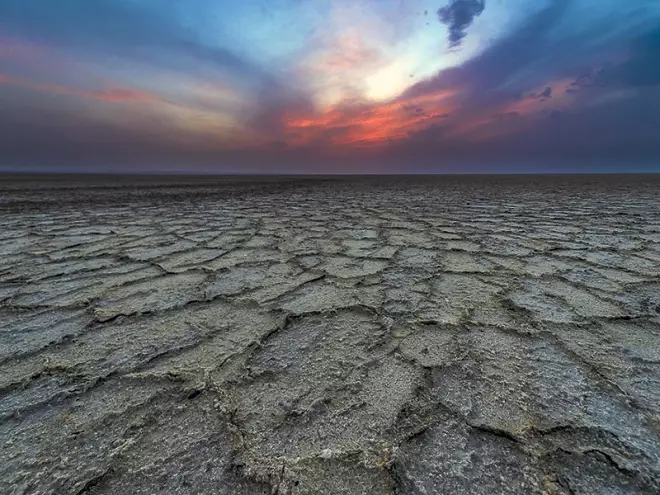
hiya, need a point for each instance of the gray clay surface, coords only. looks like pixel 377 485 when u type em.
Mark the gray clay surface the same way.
pixel 448 335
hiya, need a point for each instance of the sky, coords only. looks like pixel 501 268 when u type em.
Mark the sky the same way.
pixel 330 86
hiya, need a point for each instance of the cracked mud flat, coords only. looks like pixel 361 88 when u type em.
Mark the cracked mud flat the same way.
pixel 350 336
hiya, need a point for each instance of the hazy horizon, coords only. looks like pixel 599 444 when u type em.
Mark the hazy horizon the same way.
pixel 211 171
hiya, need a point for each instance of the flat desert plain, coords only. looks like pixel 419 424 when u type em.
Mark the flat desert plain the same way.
pixel 347 335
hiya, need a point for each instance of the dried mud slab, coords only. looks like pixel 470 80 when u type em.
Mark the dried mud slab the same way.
pixel 346 336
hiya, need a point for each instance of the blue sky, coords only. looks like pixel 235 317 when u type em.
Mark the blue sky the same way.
pixel 329 85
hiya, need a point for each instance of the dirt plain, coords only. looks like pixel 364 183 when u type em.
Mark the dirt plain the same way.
pixel 394 335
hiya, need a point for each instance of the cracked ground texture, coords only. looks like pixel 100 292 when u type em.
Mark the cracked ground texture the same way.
pixel 474 335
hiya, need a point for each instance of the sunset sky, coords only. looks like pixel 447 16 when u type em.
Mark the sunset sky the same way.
pixel 323 86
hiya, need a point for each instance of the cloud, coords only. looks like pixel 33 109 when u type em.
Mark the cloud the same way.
pixel 542 95
pixel 516 99
pixel 121 95
pixel 41 130
pixel 505 116
pixel 543 89
pixel 641 69
pixel 500 62
pixel 137 30
pixel 458 16
pixel 145 39
pixel 112 95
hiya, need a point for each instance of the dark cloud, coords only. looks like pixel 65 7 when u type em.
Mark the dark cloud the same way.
pixel 458 16
pixel 614 114
pixel 279 145
pixel 641 69
pixel 587 78
pixel 618 130
pixel 503 60
pixel 484 80
pixel 542 95
pixel 429 135
pixel 137 30
pixel 621 131
pixel 505 116
pixel 65 140
pixel 41 128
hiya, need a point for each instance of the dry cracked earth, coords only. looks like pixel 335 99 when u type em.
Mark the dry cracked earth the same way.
pixel 474 335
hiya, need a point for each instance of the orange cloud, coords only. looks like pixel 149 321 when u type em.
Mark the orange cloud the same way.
pixel 115 95
pixel 122 96
pixel 368 126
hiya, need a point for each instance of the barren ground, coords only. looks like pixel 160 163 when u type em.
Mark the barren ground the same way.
pixel 349 336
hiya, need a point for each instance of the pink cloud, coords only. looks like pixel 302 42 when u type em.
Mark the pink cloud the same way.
pixel 122 95
pixel 111 95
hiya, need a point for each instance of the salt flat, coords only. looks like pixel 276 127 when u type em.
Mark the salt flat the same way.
pixel 404 335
